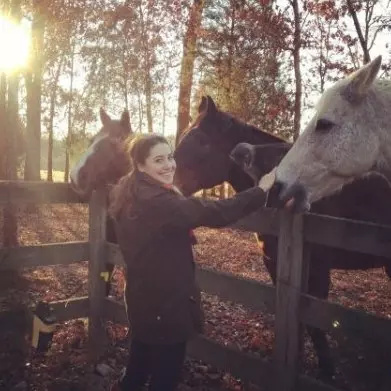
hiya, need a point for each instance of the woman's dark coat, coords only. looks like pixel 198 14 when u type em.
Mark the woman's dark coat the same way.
pixel 162 296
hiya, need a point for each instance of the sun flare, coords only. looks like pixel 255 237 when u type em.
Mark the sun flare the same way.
pixel 14 45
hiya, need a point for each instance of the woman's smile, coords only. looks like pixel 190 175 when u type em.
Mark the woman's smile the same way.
pixel 160 164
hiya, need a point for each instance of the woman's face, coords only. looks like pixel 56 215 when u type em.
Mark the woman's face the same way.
pixel 160 164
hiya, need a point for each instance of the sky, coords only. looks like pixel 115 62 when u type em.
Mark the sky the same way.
pixel 383 40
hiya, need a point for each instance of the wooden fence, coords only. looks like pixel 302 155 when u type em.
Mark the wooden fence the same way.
pixel 292 307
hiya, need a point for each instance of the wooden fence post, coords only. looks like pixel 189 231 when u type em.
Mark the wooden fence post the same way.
pixel 96 284
pixel 289 283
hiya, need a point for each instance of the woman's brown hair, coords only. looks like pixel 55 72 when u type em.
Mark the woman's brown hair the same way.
pixel 122 194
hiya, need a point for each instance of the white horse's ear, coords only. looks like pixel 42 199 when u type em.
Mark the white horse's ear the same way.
pixel 104 117
pixel 125 122
pixel 361 80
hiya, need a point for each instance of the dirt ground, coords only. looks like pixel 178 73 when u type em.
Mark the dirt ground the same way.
pixel 362 365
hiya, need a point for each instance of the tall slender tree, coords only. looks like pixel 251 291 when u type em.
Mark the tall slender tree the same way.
pixel 187 65
pixel 33 81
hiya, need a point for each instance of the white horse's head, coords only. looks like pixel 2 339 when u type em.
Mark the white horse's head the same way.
pixel 343 139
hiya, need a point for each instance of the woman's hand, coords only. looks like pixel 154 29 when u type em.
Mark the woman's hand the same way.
pixel 267 181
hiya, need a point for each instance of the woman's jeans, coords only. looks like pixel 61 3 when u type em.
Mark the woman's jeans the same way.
pixel 161 364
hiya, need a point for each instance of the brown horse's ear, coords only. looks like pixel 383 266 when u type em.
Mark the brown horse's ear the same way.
pixel 125 122
pixel 207 105
pixel 203 105
pixel 104 117
pixel 211 107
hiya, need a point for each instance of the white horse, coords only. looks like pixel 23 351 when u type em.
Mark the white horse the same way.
pixel 348 137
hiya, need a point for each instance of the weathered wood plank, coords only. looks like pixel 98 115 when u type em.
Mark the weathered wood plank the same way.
pixel 70 309
pixel 351 235
pixel 64 309
pixel 18 192
pixel 329 316
pixel 265 220
pixel 43 255
pixel 245 366
pixel 255 295
pixel 289 283
pixel 114 255
pixel 324 230
pixel 96 284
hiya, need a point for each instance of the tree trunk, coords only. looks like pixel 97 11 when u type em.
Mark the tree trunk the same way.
pixel 3 125
pixel 148 99
pixel 164 100
pixel 125 76
pixel 69 135
pixel 51 120
pixel 140 111
pixel 164 109
pixel 10 222
pixel 187 66
pixel 231 46
pixel 296 64
pixel 146 63
pixel 363 42
pixel 33 89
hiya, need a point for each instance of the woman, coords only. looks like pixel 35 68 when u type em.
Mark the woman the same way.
pixel 154 225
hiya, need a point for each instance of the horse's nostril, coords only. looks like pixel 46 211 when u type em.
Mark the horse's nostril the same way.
pixel 295 195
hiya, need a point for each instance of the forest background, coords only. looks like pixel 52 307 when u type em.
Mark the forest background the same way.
pixel 265 61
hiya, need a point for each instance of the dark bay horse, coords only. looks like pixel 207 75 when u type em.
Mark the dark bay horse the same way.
pixel 203 161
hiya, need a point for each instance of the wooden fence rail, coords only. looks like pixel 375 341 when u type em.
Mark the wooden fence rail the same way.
pixel 288 300
pixel 22 192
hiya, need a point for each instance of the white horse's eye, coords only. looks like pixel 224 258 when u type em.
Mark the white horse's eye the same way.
pixel 324 125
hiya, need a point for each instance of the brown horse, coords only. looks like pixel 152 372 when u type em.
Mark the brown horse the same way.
pixel 106 159
pixel 104 162
pixel 203 159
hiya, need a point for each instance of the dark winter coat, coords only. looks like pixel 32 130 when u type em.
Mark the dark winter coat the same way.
pixel 162 296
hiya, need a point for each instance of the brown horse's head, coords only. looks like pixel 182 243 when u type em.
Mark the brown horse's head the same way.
pixel 203 155
pixel 106 159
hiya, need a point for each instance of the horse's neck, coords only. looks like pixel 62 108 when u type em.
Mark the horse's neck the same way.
pixel 253 135
pixel 382 115
pixel 383 163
